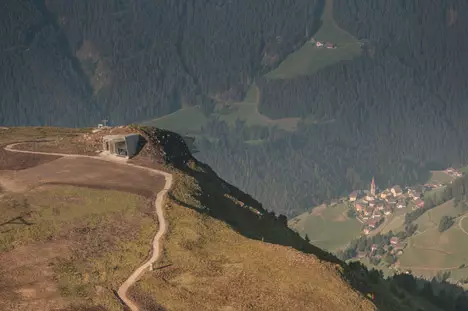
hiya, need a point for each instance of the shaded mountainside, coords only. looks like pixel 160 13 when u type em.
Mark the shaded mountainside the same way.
pixel 394 112
pixel 76 62
pixel 222 249
pixel 209 216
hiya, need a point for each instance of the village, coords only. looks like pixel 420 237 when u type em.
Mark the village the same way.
pixel 371 207
pixel 375 208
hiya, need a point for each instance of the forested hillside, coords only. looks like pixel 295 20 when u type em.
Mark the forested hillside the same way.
pixel 73 62
pixel 392 112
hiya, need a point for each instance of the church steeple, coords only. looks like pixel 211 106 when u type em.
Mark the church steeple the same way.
pixel 372 186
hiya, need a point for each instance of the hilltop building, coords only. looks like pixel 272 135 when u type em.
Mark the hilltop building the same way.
pixel 396 190
pixel 353 196
pixel 127 145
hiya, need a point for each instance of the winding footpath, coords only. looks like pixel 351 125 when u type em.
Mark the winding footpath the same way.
pixel 156 245
pixel 461 226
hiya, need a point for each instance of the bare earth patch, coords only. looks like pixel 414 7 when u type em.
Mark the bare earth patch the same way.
pixel 31 277
pixel 20 161
pixel 86 173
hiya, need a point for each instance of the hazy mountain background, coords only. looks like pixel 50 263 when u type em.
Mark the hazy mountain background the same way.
pixel 288 124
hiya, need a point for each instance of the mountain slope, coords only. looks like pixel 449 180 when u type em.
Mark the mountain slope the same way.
pixel 214 256
pixel 134 61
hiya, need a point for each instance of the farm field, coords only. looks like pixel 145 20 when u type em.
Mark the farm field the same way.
pixel 430 251
pixel 440 177
pixel 306 60
pixel 328 228
pixel 396 221
pixel 309 59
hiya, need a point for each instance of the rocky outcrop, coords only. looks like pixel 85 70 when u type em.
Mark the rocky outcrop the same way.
pixel 166 147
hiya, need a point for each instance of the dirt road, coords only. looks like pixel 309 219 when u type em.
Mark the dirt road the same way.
pixel 156 245
pixel 461 226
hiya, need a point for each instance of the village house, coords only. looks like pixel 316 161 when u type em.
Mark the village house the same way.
pixel 359 206
pixel 366 231
pixel 453 172
pixel 394 240
pixel 397 247
pixel 372 224
pixel 368 211
pixel 353 196
pixel 417 195
pixel 385 194
pixel 396 191
pixel 419 203
pixel 387 211
pixel 380 206
pixel 401 204
pixel 370 198
pixel 374 247
pixel 371 203
pixel 329 45
pixel 376 214
pixel 414 194
pixel 318 44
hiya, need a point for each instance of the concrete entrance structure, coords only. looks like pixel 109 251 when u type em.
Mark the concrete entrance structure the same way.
pixel 123 145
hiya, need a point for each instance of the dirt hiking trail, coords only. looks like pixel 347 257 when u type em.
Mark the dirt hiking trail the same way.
pixel 156 245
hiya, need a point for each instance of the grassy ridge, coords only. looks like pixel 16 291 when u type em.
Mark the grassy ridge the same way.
pixel 213 265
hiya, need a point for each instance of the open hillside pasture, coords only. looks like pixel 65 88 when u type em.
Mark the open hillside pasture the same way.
pixel 440 177
pixel 327 227
pixel 430 251
pixel 309 58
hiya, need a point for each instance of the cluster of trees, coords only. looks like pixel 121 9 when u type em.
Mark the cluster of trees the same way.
pixel 292 172
pixel 364 244
pixel 74 63
pixel 445 223
pixel 392 113
pixel 405 287
pixel 437 291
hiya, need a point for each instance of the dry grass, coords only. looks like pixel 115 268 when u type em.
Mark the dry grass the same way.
pixel 66 145
pixel 82 243
pixel 213 267
pixel 87 173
